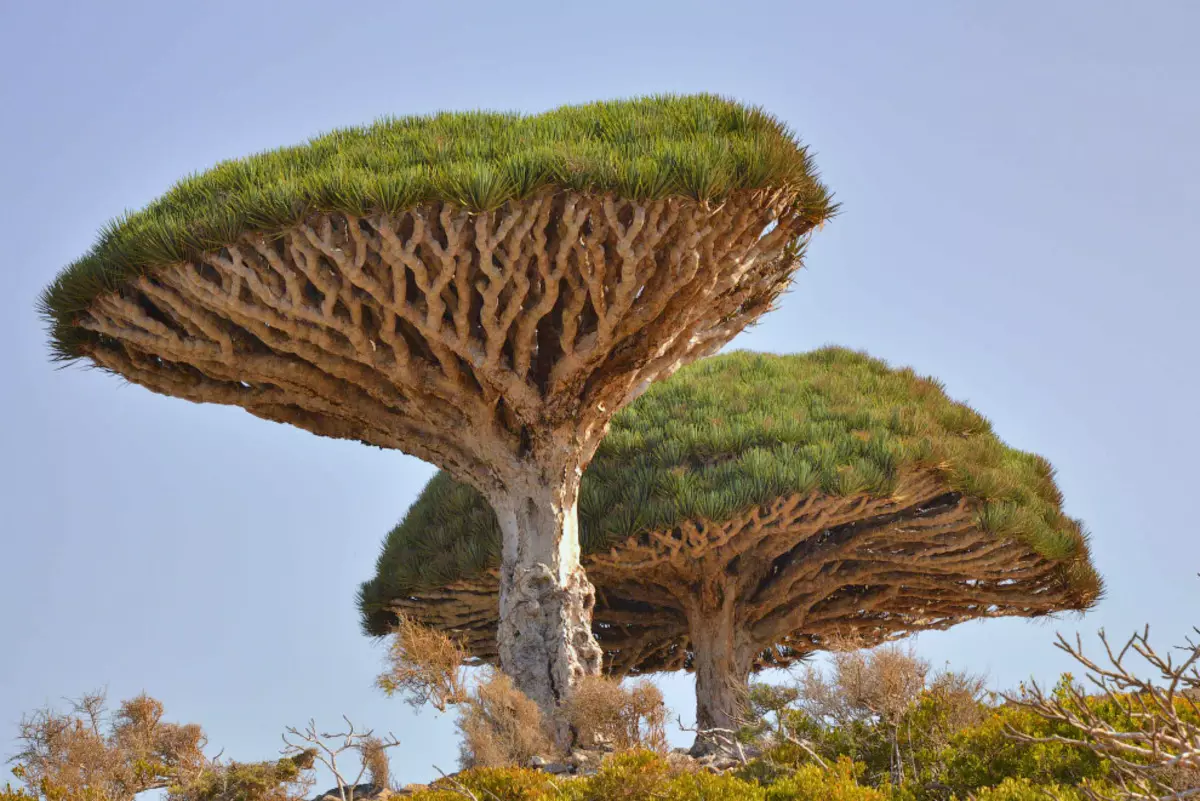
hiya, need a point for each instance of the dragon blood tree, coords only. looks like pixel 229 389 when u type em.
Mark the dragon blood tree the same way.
pixel 480 290
pixel 755 508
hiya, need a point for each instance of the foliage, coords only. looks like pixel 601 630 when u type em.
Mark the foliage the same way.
pixel 509 784
pixel 425 665
pixel 810 783
pixel 1025 790
pixel 1148 729
pixel 603 712
pixel 953 746
pixel 286 779
pixel 947 743
pixel 878 688
pixel 743 429
pixel 698 146
pixel 985 755
pixel 500 726
pixel 89 755
pixel 643 776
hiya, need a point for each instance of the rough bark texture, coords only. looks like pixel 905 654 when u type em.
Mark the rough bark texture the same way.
pixel 722 658
pixel 496 345
pixel 545 630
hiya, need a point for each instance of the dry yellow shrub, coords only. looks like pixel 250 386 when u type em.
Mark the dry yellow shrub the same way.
pixel 602 712
pixel 500 726
pixel 425 665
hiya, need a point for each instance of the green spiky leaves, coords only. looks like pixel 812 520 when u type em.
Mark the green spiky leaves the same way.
pixel 743 429
pixel 699 146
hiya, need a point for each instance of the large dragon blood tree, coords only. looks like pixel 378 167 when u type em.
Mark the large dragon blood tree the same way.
pixel 480 290
pixel 755 508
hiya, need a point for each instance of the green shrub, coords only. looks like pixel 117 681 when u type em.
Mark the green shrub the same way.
pixel 1012 789
pixel 985 755
pixel 282 780
pixel 839 783
pixel 506 784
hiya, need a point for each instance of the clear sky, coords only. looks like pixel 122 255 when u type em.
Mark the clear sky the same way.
pixel 1021 189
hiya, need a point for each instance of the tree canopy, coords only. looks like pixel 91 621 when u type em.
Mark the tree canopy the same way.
pixel 702 147
pixel 832 444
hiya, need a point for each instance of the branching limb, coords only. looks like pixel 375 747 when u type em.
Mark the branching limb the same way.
pixel 327 747
pixel 1154 741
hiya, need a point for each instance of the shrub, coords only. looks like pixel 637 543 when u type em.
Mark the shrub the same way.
pixel 500 726
pixel 986 755
pixel 283 780
pixel 425 665
pixel 1146 729
pixel 373 753
pixel 705 786
pixel 87 755
pixel 9 794
pixel 811 783
pixel 1013 789
pixel 602 712
pixel 628 777
pixel 507 784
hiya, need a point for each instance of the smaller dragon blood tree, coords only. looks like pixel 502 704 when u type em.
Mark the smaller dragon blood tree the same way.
pixel 755 508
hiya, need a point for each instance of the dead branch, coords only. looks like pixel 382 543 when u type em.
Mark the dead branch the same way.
pixel 327 747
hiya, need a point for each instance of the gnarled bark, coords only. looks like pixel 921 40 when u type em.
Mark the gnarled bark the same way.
pixel 722 658
pixel 545 632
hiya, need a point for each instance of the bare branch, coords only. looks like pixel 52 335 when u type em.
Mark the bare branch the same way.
pixel 328 747
pixel 1157 755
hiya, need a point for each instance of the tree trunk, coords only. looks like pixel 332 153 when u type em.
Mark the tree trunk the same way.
pixel 721 658
pixel 545 632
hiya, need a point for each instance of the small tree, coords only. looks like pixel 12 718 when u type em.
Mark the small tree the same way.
pixel 754 509
pixel 604 713
pixel 483 291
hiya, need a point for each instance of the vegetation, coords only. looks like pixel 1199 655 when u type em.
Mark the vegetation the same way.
pixel 500 726
pixel 755 508
pixel 282 780
pixel 603 713
pixel 740 430
pixel 696 146
pixel 872 727
pixel 425 665
pixel 1147 728
pixel 87 754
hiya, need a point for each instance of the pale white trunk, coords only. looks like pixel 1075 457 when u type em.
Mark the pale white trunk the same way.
pixel 721 659
pixel 545 632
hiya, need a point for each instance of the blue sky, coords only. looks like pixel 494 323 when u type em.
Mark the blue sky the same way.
pixel 1020 186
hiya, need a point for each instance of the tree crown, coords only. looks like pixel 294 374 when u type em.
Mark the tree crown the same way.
pixel 740 430
pixel 700 146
